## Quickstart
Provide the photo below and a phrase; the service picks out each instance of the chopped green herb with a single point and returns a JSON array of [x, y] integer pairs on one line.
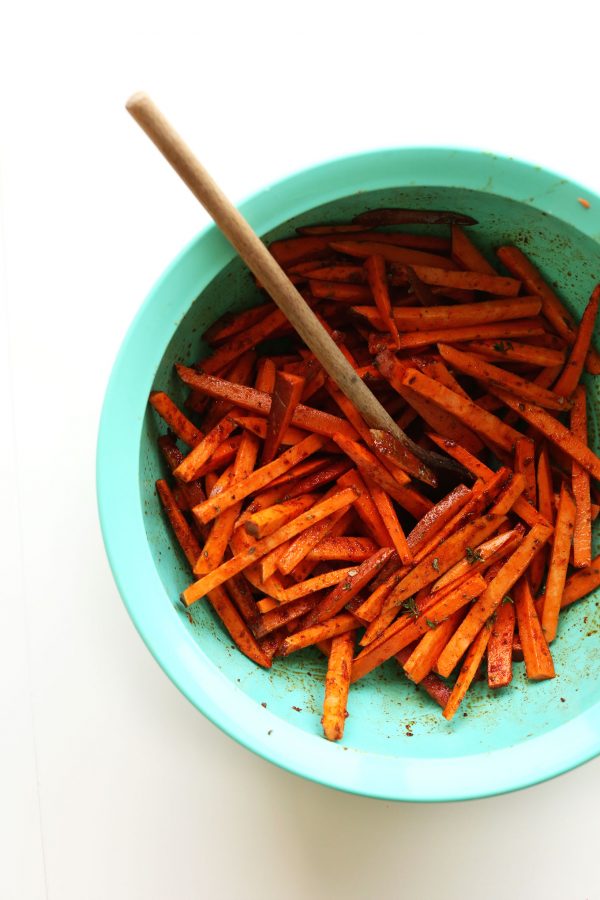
[[411, 607], [473, 556], [436, 564], [503, 346], [431, 624], [507, 599]]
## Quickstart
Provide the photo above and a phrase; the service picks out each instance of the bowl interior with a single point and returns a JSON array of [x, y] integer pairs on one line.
[[387, 715]]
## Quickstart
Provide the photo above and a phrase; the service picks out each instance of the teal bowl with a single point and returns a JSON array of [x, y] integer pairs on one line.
[[396, 744]]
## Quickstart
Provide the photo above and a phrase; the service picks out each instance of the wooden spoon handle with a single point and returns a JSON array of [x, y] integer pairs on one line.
[[270, 274]]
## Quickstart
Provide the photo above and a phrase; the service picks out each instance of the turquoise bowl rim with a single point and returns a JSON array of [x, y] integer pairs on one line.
[[122, 520]]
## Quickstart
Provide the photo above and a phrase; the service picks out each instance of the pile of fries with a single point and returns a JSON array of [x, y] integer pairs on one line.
[[302, 529]]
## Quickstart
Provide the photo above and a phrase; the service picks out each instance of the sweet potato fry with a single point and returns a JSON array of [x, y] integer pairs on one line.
[[466, 254], [307, 540], [286, 396], [337, 683], [433, 318], [239, 343], [580, 483], [266, 521], [390, 520], [207, 511], [191, 467], [424, 656], [237, 628], [447, 276], [192, 492], [525, 465], [553, 308], [438, 419], [231, 324], [335, 600], [481, 557], [437, 517], [256, 551], [436, 369], [318, 583], [537, 656], [258, 427], [559, 561], [492, 375], [239, 591], [377, 279], [500, 646], [282, 615], [342, 274], [398, 238], [468, 671], [509, 496], [573, 369], [340, 291], [408, 629], [346, 549], [489, 601], [437, 689], [467, 412], [184, 534], [506, 351], [550, 428], [369, 465], [581, 583], [175, 419], [366, 509], [401, 255], [313, 420], [332, 628], [419, 339]]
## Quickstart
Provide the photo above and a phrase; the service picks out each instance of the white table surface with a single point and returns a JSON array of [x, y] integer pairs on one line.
[[111, 784]]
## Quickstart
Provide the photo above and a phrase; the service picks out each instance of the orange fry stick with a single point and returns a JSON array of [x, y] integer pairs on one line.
[[330, 629], [340, 291], [175, 419], [341, 594], [419, 339], [349, 549], [266, 521], [190, 468], [281, 615], [256, 551], [337, 683], [192, 492], [366, 509], [467, 412], [537, 656], [466, 254], [580, 483], [500, 646], [573, 369], [237, 628], [437, 517], [581, 583], [470, 281], [233, 323], [481, 557], [314, 420], [525, 465], [258, 427], [510, 351], [377, 278], [390, 253], [487, 604], [424, 657], [305, 542], [239, 343], [553, 308], [207, 511], [370, 466], [345, 274], [390, 519], [468, 671], [437, 418], [489, 374], [286, 396], [559, 561], [398, 238], [550, 428], [184, 534], [318, 583], [432, 318], [436, 369], [408, 629]]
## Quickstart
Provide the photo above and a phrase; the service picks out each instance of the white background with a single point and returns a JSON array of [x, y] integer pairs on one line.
[[111, 784]]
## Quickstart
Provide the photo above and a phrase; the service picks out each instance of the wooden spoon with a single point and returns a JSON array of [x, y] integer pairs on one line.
[[412, 458]]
